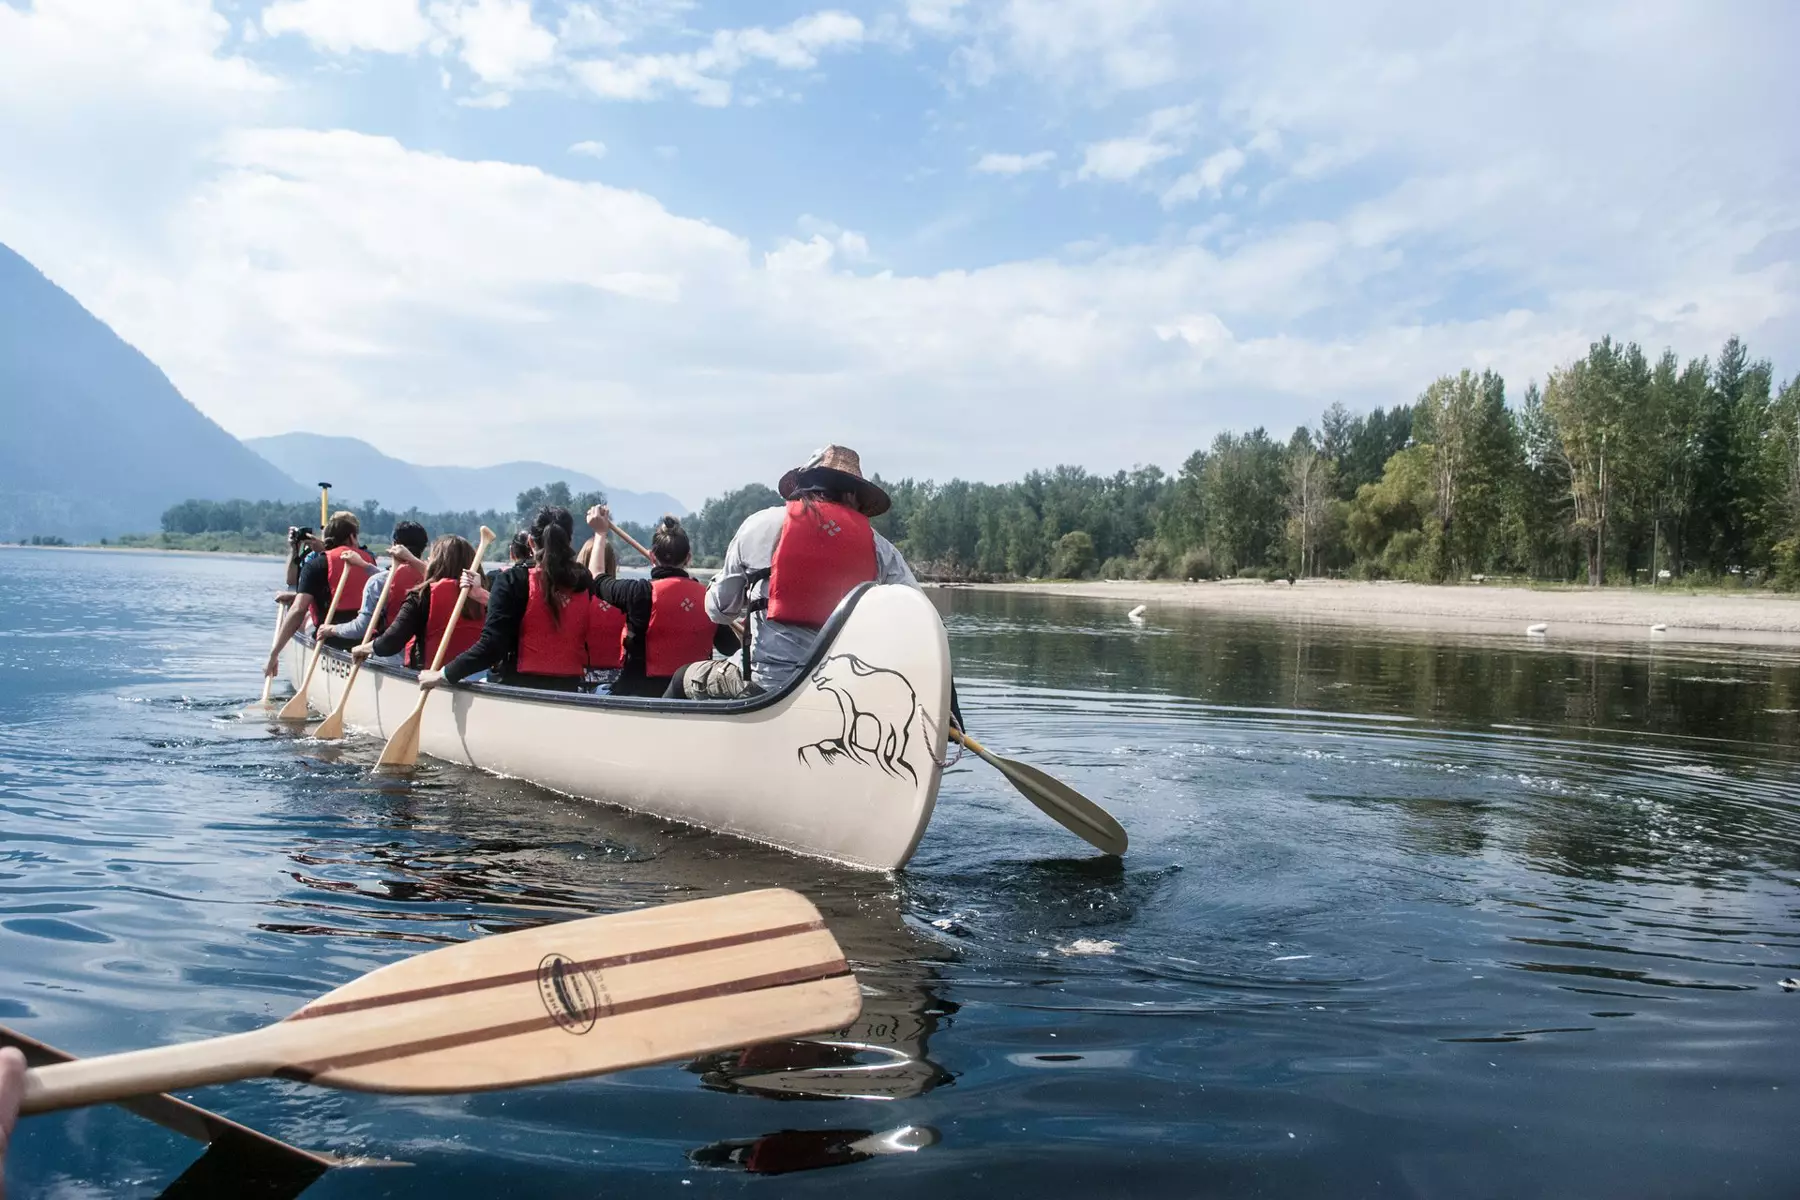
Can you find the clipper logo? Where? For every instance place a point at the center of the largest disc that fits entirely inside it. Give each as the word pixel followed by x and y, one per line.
pixel 573 997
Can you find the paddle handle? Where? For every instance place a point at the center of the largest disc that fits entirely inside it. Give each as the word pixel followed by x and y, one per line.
pixel 387 585
pixel 633 543
pixel 147 1072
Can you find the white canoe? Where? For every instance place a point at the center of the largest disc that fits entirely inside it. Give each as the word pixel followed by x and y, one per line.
pixel 842 763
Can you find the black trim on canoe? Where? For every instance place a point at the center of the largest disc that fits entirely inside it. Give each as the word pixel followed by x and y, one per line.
pixel 828 633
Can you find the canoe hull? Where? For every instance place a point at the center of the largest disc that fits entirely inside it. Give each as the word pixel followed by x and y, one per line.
pixel 843 763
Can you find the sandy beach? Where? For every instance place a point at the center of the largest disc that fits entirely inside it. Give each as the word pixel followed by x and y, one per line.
pixel 1607 613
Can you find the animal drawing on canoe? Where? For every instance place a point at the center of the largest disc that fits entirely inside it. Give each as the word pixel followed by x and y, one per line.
pixel 879 708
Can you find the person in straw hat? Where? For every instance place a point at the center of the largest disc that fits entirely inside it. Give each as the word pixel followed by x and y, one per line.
pixel 789 566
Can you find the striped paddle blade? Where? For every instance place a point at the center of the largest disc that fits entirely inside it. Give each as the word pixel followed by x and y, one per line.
pixel 555 1002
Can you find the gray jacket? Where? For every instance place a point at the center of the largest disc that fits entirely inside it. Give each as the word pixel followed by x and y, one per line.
pixel 777 650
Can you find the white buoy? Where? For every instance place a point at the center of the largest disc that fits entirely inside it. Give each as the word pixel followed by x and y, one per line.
pixel 1137 614
pixel 1659 627
pixel 1537 630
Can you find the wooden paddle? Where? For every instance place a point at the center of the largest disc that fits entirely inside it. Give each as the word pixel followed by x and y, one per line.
pixel 295 709
pixel 555 1002
pixel 1062 803
pixel 402 749
pixel 333 726
pixel 281 612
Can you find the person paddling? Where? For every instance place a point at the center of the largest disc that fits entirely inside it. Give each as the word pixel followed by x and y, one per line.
pixel 419 624
pixel 317 582
pixel 666 626
pixel 408 550
pixel 537 619
pixel 788 567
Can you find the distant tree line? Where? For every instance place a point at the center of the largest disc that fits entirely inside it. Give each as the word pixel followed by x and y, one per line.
pixel 264 524
pixel 1618 469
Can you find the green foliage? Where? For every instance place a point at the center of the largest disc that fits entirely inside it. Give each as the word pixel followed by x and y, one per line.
pixel 711 529
pixel 1073 557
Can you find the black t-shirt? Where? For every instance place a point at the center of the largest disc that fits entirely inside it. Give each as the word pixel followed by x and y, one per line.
pixel 632 597
pixel 315 583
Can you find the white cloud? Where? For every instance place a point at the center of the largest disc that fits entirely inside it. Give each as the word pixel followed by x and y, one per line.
pixel 1162 135
pixel 1207 178
pixel 704 74
pixel 341 26
pixel 589 149
pixel 496 39
pixel 936 16
pixel 1014 164
pixel 1123 158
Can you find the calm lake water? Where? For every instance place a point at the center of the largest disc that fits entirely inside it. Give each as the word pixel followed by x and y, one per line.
pixel 1405 915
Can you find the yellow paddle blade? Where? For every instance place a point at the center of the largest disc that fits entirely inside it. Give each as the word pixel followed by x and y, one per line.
pixel 555 1002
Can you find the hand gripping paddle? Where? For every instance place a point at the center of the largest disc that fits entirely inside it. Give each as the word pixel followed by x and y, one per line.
pixel 555 1002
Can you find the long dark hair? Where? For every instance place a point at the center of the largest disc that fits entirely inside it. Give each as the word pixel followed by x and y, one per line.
pixel 553 529
pixel 451 555
pixel 669 543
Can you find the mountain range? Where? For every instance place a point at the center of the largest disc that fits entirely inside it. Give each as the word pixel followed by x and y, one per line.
pixel 95 441
pixel 358 471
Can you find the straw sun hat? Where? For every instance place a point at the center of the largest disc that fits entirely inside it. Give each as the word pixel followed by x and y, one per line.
pixel 836 469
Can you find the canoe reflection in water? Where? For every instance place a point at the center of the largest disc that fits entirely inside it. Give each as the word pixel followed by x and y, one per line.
pixel 807 1149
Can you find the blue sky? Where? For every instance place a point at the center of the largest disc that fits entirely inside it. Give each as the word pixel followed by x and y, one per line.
pixel 680 244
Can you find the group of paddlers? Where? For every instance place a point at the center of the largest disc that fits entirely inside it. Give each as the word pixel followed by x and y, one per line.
pixel 563 620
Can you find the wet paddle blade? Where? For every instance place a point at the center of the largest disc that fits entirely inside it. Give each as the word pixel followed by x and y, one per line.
pixel 1062 803
pixel 295 709
pixel 556 1002
pixel 402 749
pixel 332 727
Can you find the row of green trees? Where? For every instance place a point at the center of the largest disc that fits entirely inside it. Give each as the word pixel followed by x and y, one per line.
pixel 263 524
pixel 1618 468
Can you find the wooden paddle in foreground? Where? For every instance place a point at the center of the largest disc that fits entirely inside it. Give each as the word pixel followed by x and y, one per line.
pixel 333 726
pixel 1062 803
pixel 402 749
pixel 296 708
pixel 556 1002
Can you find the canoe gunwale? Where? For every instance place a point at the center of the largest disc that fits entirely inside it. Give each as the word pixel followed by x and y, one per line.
pixel 828 634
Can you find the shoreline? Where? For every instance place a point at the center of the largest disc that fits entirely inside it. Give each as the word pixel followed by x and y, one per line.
pixel 1603 613
pixel 250 554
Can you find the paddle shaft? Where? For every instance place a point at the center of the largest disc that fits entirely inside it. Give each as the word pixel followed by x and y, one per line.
pixel 334 724
pixel 160 1069
pixel 281 613
pixel 299 700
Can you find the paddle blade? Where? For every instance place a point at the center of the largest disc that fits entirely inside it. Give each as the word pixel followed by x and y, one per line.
pixel 1068 807
pixel 1060 802
pixel 580 998
pixel 332 727
pixel 402 749
pixel 295 709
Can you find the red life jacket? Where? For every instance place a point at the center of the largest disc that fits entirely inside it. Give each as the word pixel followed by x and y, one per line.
pixel 679 631
pixel 406 578
pixel 442 598
pixel 355 560
pixel 825 550
pixel 605 635
pixel 553 643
